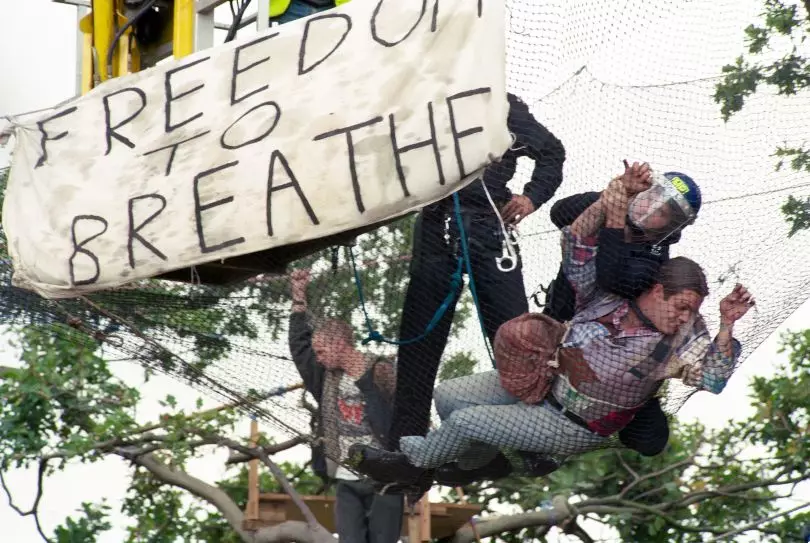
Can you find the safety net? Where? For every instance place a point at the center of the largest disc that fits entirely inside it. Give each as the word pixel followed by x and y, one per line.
pixel 414 337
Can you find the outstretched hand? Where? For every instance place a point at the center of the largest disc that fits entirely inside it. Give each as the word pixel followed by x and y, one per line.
pixel 734 306
pixel 636 178
pixel 517 209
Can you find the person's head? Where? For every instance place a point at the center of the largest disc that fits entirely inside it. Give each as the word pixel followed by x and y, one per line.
pixel 331 341
pixel 669 205
pixel 676 295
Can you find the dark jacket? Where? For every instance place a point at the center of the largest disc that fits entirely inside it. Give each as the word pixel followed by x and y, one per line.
pixel 532 140
pixel 624 268
pixel 377 391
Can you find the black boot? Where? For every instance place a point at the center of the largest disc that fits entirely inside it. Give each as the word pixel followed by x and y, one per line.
pixel 537 464
pixel 384 466
pixel 452 475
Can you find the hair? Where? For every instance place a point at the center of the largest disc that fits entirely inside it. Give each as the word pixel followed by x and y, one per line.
pixel 680 273
pixel 337 328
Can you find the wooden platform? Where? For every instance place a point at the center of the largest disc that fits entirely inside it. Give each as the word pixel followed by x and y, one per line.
pixel 445 518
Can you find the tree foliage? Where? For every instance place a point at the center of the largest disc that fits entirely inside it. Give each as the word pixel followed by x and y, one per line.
pixel 781 35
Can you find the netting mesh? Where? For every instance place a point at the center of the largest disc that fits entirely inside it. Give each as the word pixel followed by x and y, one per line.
pixel 605 82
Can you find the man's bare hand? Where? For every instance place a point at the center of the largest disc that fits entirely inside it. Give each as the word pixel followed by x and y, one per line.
pixel 517 209
pixel 636 178
pixel 299 279
pixel 734 306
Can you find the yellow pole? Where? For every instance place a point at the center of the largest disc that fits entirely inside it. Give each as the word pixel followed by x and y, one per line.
pixel 183 34
pixel 104 14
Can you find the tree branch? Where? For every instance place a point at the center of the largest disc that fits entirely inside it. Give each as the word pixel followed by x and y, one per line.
pixel 236 458
pixel 318 531
pixel 573 528
pixel 179 478
pixel 626 466
pixel 34 511
pixel 291 530
pixel 654 474
pixel 758 522
pixel 510 523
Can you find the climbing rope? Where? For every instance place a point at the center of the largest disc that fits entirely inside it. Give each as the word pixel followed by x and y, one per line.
pixel 455 284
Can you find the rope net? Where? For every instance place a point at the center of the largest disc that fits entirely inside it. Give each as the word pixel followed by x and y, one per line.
pixel 415 338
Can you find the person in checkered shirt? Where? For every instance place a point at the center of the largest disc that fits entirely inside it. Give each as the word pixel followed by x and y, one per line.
pixel 614 355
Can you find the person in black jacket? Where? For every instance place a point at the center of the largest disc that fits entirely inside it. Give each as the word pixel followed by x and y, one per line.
pixel 629 258
pixel 354 393
pixel 436 257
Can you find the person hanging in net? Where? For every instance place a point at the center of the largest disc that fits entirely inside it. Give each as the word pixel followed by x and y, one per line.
pixel 485 206
pixel 353 392
pixel 631 251
pixel 565 389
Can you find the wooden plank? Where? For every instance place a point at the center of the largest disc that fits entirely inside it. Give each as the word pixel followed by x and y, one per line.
pixel 445 518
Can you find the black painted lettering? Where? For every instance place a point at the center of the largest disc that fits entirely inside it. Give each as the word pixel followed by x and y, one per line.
pixel 199 207
pixel 43 157
pixel 171 97
pixel 78 248
pixel 358 197
pixel 237 70
pixel 110 131
pixel 435 17
pixel 134 234
pixel 271 188
pixel 375 34
pixel 173 147
pixel 302 51
pixel 399 151
pixel 276 116
pixel 464 133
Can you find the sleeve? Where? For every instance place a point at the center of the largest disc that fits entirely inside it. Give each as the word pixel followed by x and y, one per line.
pixel 300 340
pixel 621 272
pixel 565 211
pixel 704 365
pixel 535 141
pixel 579 265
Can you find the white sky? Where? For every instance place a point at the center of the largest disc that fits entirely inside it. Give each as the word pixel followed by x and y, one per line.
pixel 37 63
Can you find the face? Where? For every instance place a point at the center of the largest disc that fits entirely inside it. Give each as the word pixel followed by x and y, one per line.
pixel 669 314
pixel 650 211
pixel 327 349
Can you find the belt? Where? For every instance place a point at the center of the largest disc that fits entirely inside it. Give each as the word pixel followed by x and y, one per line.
pixel 576 419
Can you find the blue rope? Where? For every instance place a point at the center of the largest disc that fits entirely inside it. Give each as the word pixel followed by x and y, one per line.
pixel 455 283
pixel 375 335
pixel 465 250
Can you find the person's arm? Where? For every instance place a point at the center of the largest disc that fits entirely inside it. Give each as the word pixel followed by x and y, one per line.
pixel 579 264
pixel 721 356
pixel 535 141
pixel 300 337
pixel 565 211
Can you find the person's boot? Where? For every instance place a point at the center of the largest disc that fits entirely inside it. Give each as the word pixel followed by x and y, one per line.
pixel 385 467
pixel 451 474
pixel 538 464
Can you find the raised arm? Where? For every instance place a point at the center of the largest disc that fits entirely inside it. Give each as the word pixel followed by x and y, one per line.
pixel 300 336
pixel 720 359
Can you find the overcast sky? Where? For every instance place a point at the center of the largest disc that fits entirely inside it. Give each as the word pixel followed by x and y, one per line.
pixel 601 112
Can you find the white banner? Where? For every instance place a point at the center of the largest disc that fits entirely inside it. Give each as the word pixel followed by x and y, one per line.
pixel 319 126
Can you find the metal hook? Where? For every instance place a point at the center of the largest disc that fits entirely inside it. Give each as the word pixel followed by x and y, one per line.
pixel 506 256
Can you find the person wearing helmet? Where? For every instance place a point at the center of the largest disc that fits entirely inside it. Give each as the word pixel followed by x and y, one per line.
pixel 284 11
pixel 599 369
pixel 632 248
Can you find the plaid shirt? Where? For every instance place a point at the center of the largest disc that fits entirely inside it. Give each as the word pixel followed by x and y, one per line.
pixel 616 374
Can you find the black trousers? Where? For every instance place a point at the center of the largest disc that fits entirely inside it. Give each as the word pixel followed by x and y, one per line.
pixel 648 432
pixel 501 296
pixel 363 516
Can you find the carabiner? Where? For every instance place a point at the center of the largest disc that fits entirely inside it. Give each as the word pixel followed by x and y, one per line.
pixel 507 256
